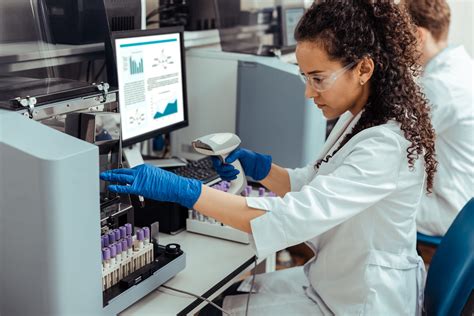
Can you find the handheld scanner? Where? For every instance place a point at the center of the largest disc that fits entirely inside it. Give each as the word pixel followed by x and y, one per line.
pixel 221 145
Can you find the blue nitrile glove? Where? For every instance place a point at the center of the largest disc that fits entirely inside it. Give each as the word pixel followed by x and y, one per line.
pixel 154 183
pixel 254 164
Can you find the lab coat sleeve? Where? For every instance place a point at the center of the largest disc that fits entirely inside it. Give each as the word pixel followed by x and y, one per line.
pixel 367 175
pixel 439 95
pixel 300 176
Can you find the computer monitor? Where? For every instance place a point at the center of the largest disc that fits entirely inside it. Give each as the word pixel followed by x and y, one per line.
pixel 148 69
pixel 289 18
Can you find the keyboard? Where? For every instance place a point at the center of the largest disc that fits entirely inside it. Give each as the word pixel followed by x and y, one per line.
pixel 201 170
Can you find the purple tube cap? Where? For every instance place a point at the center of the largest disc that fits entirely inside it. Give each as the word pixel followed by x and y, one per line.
pixel 117 234
pixel 105 254
pixel 129 242
pixel 113 251
pixel 140 235
pixel 124 245
pixel 128 227
pixel 123 231
pixel 118 247
pixel 146 232
pixel 104 241
pixel 111 237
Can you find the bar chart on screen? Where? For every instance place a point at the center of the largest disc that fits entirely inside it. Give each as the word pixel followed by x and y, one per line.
pixel 136 67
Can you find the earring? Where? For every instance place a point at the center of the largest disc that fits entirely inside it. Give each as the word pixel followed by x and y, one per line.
pixel 362 82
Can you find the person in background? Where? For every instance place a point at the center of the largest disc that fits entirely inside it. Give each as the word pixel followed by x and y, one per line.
pixel 447 81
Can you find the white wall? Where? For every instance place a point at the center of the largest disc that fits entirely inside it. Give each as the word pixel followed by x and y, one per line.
pixel 462 24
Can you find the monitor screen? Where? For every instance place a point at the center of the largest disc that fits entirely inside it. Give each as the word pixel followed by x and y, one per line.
pixel 290 19
pixel 151 81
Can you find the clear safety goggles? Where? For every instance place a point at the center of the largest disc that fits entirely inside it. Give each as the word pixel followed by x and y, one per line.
pixel 323 83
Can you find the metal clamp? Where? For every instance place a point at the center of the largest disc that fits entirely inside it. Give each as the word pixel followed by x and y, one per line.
pixel 27 102
pixel 104 88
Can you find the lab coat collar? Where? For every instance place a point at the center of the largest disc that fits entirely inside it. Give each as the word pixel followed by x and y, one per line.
pixel 344 125
pixel 451 51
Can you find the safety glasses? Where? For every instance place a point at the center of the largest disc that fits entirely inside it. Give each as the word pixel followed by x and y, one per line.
pixel 324 83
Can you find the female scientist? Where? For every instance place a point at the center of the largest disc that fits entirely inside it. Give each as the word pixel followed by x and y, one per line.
pixel 356 205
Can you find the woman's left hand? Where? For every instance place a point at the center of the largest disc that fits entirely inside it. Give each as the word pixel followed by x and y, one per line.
pixel 154 183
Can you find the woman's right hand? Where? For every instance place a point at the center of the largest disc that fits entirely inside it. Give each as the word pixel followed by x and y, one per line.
pixel 254 164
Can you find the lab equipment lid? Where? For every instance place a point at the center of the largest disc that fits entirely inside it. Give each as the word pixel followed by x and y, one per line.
pixel 46 90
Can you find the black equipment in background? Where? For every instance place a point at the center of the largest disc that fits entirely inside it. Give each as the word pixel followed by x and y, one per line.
pixel 198 15
pixel 170 216
pixel 194 15
pixel 85 21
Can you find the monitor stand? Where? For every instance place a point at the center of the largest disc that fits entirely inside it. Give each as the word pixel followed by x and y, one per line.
pixel 133 156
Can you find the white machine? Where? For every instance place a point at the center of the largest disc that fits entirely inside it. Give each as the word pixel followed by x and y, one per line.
pixel 54 209
pixel 221 145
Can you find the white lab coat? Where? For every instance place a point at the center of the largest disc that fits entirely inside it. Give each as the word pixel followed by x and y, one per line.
pixel 357 212
pixel 448 82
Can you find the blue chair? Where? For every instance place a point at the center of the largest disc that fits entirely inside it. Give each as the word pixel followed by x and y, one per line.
pixel 450 280
pixel 429 240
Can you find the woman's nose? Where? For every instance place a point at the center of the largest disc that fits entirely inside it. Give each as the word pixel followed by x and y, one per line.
pixel 310 92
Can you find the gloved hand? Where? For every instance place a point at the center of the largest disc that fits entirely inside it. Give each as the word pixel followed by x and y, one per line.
pixel 255 165
pixel 154 183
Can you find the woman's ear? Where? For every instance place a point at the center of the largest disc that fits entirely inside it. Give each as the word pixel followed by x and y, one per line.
pixel 366 69
pixel 421 34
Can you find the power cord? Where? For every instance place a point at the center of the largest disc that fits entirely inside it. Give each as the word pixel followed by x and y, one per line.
pixel 199 297
pixel 214 304
pixel 251 286
pixel 157 11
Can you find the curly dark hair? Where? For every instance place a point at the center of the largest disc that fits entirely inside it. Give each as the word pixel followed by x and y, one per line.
pixel 352 30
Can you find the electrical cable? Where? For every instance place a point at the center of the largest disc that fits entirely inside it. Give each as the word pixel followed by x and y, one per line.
pixel 199 297
pixel 214 304
pixel 157 11
pixel 152 14
pixel 251 286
